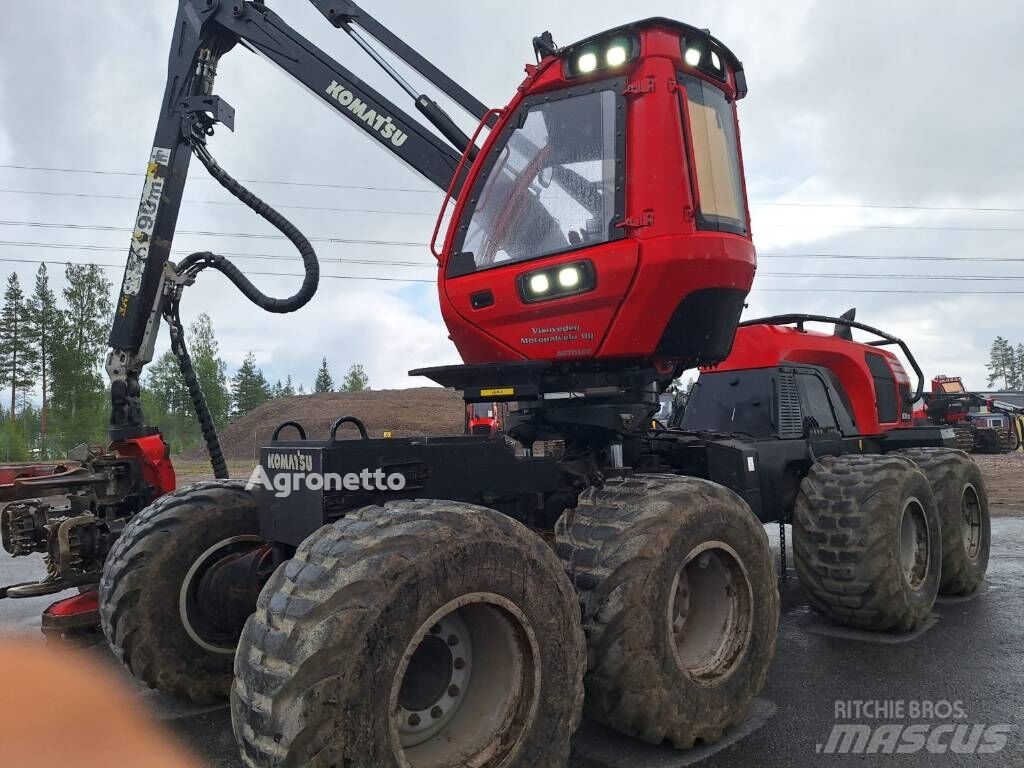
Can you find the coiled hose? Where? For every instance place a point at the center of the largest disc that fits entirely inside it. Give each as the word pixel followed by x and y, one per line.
pixel 195 263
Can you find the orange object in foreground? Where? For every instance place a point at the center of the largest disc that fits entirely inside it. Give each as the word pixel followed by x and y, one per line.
pixel 43 686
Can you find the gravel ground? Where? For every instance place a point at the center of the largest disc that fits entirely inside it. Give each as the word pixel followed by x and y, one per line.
pixel 1004 480
pixel 969 655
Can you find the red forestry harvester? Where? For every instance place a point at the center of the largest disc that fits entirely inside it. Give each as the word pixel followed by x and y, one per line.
pixel 599 244
pixel 981 424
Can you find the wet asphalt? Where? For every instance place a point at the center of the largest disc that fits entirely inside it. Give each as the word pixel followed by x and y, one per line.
pixel 969 659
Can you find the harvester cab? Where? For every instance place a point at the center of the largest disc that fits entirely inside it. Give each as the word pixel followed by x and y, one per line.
pixel 605 218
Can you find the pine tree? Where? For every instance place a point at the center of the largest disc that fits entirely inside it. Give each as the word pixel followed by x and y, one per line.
pixel 285 389
pixel 356 380
pixel 17 353
pixel 1019 357
pixel 210 369
pixel 323 381
pixel 46 327
pixel 79 395
pixel 248 386
pixel 166 402
pixel 1000 364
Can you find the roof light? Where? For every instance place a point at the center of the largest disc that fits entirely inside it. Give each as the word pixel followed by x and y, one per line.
pixel 587 62
pixel 716 62
pixel 616 55
pixel 594 55
pixel 692 56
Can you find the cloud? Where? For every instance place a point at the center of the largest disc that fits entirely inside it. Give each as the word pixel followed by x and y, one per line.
pixel 867 103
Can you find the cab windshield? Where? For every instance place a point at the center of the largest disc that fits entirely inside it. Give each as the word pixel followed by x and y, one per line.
pixel 550 188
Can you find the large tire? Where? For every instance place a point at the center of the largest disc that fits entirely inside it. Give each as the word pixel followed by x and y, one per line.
pixel 325 674
pixel 141 607
pixel 680 605
pixel 963 509
pixel 867 541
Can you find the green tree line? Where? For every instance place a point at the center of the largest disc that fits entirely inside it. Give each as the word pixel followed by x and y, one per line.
pixel 53 392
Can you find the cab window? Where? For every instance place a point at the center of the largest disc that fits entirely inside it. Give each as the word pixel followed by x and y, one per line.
pixel 550 188
pixel 711 132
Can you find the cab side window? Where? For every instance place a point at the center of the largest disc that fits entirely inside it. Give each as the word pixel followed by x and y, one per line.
pixel 886 394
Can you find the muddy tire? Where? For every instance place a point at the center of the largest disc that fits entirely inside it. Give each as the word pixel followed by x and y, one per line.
pixel 420 633
pixel 680 605
pixel 963 510
pixel 161 639
pixel 867 541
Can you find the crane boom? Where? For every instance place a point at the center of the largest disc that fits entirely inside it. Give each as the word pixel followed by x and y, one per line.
pixel 204 31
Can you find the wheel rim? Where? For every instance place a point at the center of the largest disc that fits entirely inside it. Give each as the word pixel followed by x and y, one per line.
pixel 970 506
pixel 200 628
pixel 711 612
pixel 468 685
pixel 914 540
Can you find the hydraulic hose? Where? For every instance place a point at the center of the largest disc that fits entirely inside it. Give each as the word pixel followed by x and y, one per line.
pixel 195 263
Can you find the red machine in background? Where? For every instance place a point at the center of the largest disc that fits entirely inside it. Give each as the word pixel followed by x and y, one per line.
pixel 981 424
pixel 485 418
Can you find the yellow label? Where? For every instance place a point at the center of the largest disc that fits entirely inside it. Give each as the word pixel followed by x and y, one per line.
pixel 387 433
pixel 502 392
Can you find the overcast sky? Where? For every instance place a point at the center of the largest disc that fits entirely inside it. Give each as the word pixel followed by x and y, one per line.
pixel 874 113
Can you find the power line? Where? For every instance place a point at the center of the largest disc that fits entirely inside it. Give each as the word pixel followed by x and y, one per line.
pixel 235 254
pixel 417 280
pixel 330 185
pixel 401 243
pixel 91 196
pixel 433 265
pixel 860 257
pixel 274 274
pixel 914 227
pixel 894 206
pixel 246 235
pixel 873 276
pixel 98 172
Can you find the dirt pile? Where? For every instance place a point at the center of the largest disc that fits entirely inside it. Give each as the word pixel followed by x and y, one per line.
pixel 403 412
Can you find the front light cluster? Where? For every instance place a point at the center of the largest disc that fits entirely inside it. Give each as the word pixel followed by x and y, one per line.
pixel 602 54
pixel 556 282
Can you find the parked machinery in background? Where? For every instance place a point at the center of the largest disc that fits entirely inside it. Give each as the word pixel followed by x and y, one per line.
pixel 982 424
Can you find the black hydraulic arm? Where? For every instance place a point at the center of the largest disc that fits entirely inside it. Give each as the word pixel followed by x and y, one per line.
pixel 204 31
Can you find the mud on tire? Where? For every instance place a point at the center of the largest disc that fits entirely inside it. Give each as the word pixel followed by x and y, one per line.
pixel 963 510
pixel 867 541
pixel 141 586
pixel 680 605
pixel 353 654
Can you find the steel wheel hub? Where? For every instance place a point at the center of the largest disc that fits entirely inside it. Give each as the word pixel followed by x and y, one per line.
pixel 435 682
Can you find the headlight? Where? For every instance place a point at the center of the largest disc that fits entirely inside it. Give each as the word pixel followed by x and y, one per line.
pixel 557 281
pixel 568 277
pixel 692 56
pixel 539 284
